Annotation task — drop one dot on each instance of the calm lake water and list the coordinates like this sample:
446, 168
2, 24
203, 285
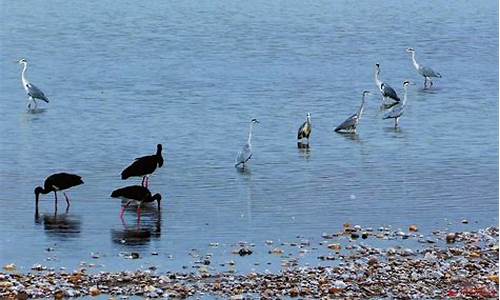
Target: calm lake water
122, 77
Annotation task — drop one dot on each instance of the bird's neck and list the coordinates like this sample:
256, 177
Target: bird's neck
250, 133
360, 110
308, 120
414, 60
404, 94
23, 74
377, 77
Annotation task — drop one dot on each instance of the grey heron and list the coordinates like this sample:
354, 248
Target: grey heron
397, 111
32, 91
427, 72
351, 123
306, 129
246, 152
386, 90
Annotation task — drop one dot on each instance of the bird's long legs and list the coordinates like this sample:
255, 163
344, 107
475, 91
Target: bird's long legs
139, 213
68, 203
396, 122
124, 207
55, 195
425, 82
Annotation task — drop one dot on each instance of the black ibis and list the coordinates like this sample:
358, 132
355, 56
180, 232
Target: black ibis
135, 194
144, 166
58, 182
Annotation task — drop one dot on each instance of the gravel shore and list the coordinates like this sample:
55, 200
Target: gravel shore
465, 267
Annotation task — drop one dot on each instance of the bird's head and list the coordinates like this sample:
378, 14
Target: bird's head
410, 50
22, 61
157, 197
255, 121
406, 83
38, 191
366, 93
308, 115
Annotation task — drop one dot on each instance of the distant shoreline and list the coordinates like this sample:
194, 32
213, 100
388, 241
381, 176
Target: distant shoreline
466, 267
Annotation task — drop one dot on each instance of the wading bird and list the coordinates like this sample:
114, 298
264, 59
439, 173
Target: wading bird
136, 194
246, 152
144, 166
32, 91
397, 111
386, 90
57, 182
352, 122
305, 130
427, 72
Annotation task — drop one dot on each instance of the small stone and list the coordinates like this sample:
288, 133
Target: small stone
294, 292
413, 228
134, 255
364, 235
451, 237
354, 235
244, 251
464, 221
269, 242
9, 267
58, 295
277, 251
154, 253
94, 291
335, 247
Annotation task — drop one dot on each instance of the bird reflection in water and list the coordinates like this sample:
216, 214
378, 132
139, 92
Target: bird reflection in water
304, 149
60, 225
141, 232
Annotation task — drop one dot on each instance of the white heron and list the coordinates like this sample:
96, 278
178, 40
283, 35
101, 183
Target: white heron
352, 122
246, 152
427, 72
32, 91
397, 111
305, 130
386, 90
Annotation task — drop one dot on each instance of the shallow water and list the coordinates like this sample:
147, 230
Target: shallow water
190, 75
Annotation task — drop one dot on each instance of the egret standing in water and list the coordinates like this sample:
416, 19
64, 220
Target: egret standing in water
32, 91
386, 90
352, 122
305, 130
246, 152
397, 111
427, 72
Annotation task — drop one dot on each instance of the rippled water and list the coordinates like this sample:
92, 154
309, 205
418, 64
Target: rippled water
122, 77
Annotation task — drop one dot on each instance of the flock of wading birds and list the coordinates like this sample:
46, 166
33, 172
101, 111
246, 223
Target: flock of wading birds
145, 166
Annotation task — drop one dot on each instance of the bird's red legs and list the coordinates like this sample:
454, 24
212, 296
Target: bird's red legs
147, 181
55, 195
67, 199
124, 207
139, 214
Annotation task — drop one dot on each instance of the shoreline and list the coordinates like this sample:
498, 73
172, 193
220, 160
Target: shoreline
465, 267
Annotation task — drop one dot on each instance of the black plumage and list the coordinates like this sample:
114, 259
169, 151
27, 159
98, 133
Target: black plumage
57, 182
135, 193
144, 166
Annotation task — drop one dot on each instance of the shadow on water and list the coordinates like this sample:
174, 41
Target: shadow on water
139, 233
60, 226
351, 136
36, 111
244, 171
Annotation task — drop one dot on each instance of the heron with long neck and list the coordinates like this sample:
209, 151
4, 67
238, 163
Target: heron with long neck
305, 130
246, 152
426, 72
31, 90
397, 111
386, 90
351, 123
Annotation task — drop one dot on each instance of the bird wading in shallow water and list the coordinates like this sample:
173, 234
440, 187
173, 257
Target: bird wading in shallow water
397, 111
351, 123
135, 194
144, 166
305, 130
389, 96
246, 152
57, 182
427, 72
31, 90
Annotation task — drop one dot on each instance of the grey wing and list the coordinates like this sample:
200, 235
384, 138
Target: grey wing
244, 155
428, 72
300, 133
35, 92
388, 91
395, 112
348, 123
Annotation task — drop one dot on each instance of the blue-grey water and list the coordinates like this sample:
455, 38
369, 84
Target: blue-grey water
124, 76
